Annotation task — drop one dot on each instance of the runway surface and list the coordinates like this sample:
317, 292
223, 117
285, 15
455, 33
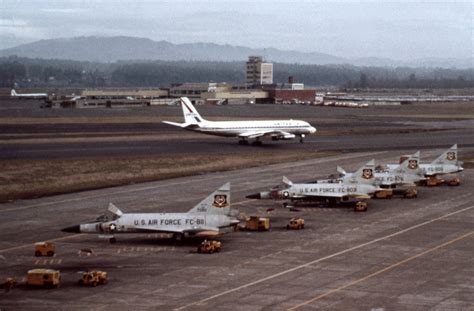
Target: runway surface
411, 254
78, 133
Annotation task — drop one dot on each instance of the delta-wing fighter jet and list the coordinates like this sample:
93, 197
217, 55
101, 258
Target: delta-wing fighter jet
358, 187
442, 169
244, 130
405, 176
205, 219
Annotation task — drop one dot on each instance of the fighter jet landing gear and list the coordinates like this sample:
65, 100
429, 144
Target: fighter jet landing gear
410, 193
178, 237
287, 205
360, 207
454, 182
302, 136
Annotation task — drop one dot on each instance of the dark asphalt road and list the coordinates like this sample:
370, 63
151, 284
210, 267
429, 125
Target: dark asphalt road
344, 143
393, 127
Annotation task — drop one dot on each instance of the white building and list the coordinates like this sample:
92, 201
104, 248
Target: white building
258, 72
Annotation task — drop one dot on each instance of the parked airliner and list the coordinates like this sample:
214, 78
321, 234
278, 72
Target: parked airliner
13, 93
244, 130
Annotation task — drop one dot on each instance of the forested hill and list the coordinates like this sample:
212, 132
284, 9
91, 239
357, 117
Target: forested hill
112, 49
26, 72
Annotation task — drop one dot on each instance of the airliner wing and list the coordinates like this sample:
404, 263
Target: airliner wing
181, 125
251, 135
256, 134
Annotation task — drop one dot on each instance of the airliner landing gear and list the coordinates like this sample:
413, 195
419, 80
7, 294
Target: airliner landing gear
257, 142
243, 142
302, 138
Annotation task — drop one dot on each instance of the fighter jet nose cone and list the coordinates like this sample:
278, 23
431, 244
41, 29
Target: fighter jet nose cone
254, 196
72, 229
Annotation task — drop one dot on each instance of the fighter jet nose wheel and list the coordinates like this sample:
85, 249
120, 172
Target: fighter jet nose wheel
178, 237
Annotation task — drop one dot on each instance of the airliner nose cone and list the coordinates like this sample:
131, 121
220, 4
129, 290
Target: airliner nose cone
72, 229
312, 130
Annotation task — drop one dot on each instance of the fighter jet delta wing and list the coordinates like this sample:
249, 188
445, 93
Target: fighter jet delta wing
244, 130
205, 219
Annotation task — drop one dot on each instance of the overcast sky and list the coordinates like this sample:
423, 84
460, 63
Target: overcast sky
401, 29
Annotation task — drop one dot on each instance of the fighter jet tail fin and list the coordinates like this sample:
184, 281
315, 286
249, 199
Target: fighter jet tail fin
411, 164
217, 202
114, 210
365, 174
286, 181
450, 156
341, 171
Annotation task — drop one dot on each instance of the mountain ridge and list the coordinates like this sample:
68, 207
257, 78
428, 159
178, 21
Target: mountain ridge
112, 49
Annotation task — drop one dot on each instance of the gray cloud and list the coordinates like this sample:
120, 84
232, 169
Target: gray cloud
400, 30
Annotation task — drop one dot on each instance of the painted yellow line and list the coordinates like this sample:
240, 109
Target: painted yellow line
393, 266
296, 268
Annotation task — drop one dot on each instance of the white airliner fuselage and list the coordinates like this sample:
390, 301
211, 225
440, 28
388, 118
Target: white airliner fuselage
235, 128
245, 130
13, 93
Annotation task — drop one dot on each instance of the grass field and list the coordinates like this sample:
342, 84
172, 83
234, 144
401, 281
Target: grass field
22, 179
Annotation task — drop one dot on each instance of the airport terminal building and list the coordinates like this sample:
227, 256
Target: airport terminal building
259, 87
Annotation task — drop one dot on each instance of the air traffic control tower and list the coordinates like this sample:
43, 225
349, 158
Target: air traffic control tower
258, 72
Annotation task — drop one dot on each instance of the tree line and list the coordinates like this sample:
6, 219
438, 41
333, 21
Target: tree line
26, 72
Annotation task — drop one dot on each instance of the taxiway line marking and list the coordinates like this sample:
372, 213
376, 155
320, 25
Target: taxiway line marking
299, 267
19, 208
393, 266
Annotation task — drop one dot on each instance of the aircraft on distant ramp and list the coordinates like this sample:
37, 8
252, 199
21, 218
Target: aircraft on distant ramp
13, 93
244, 130
205, 219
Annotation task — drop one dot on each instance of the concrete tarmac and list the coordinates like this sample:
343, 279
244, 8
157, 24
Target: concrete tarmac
413, 254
